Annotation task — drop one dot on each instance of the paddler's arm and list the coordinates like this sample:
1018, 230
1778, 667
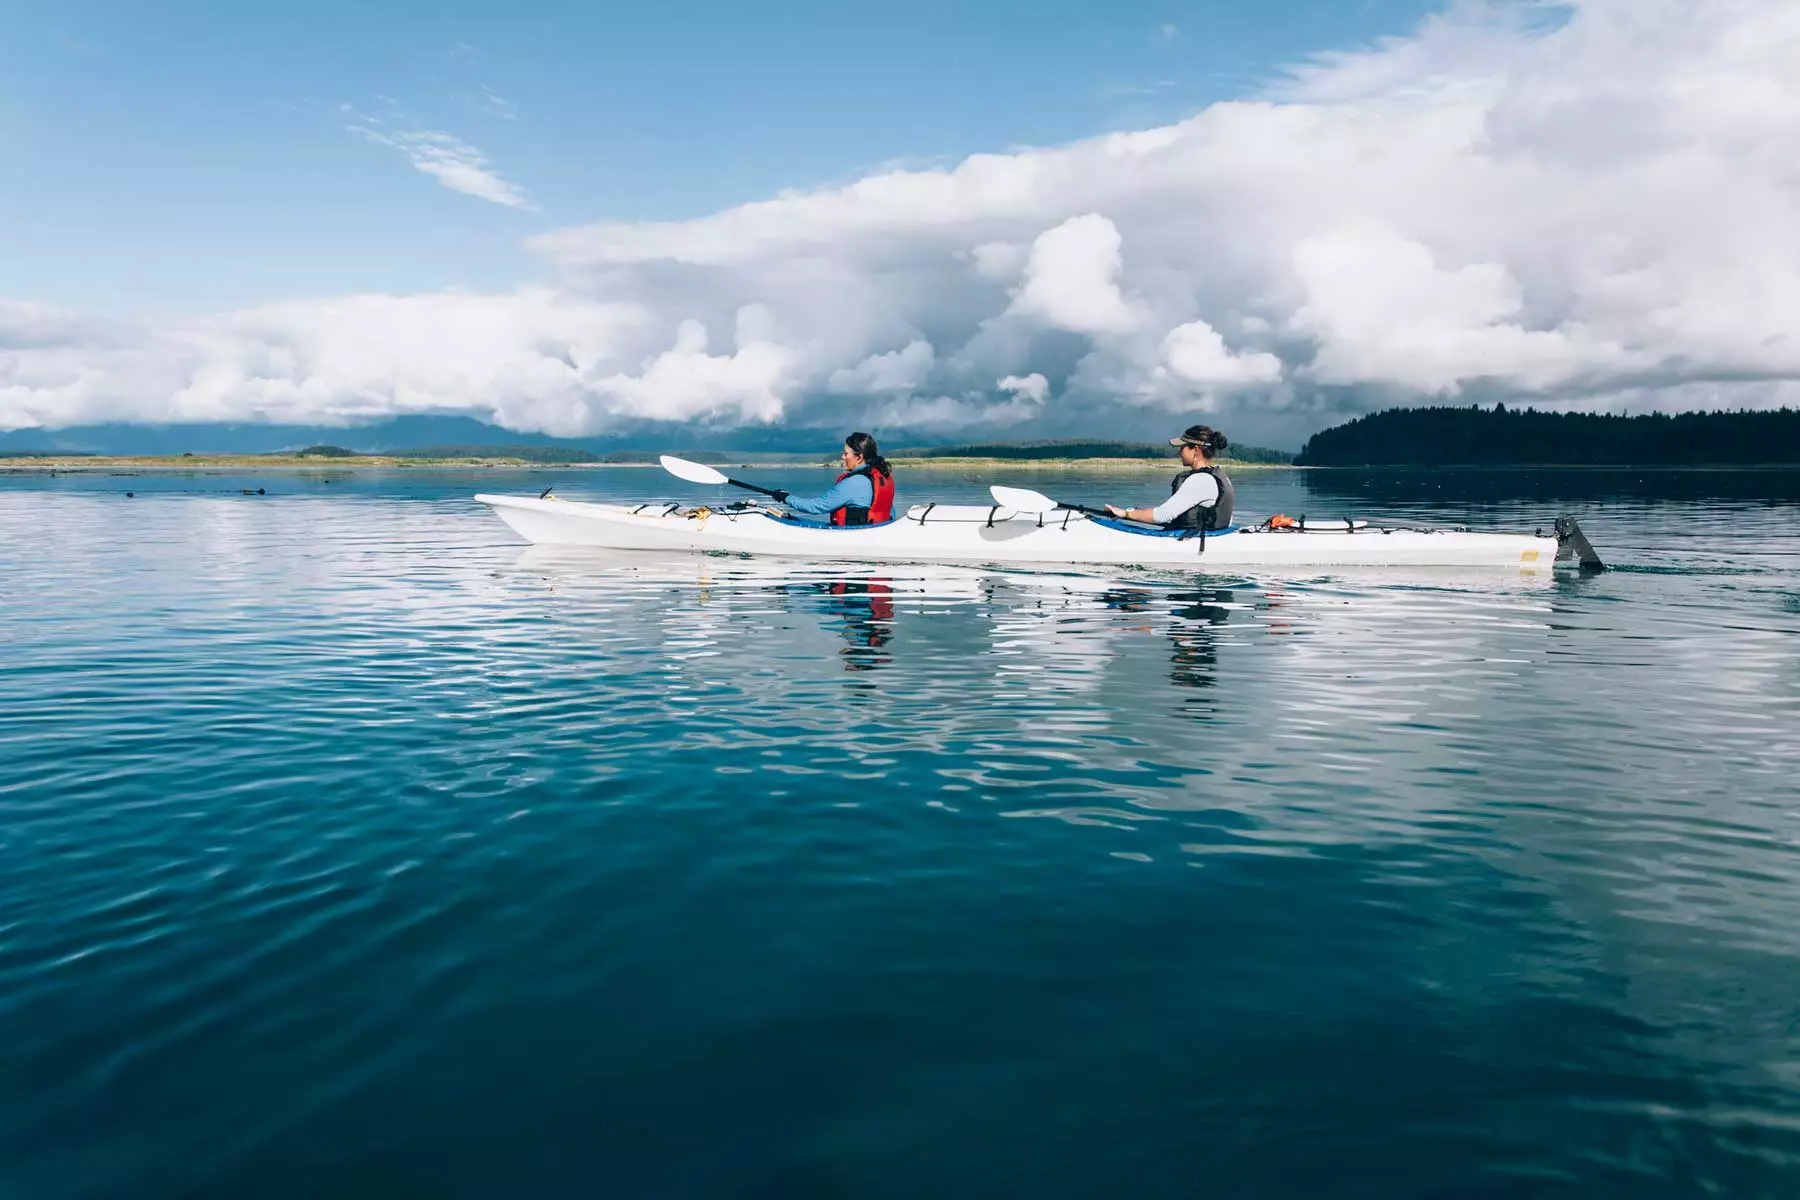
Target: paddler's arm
1198, 489
856, 490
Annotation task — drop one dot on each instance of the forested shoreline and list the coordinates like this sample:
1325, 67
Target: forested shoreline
1446, 436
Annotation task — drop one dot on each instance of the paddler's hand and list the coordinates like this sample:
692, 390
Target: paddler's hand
779, 495
1113, 510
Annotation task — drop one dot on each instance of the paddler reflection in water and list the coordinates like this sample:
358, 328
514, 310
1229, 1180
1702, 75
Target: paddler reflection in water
1194, 653
1201, 497
1194, 656
862, 495
867, 609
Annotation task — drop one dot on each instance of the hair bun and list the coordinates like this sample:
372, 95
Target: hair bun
1218, 442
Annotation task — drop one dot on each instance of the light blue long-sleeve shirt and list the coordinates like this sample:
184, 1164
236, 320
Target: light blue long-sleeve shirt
855, 491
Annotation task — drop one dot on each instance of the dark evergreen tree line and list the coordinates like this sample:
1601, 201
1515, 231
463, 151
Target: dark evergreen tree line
1524, 437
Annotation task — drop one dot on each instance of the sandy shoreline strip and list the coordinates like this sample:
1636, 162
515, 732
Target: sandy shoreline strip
365, 462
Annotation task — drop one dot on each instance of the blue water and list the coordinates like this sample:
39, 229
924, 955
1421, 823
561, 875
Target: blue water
349, 848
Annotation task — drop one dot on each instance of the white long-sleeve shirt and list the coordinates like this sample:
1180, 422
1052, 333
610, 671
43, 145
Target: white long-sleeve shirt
1195, 489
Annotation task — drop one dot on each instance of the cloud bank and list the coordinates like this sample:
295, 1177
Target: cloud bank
1598, 209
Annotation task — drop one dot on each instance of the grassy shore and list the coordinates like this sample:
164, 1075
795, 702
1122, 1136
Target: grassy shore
256, 462
1062, 464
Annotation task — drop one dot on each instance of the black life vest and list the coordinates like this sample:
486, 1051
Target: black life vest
880, 509
1208, 517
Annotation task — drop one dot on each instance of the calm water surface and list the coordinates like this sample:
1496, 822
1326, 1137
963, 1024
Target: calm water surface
350, 848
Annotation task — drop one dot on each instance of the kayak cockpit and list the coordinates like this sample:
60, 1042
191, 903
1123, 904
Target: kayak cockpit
781, 518
1143, 530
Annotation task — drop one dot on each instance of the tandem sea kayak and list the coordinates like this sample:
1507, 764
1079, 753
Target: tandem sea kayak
1000, 535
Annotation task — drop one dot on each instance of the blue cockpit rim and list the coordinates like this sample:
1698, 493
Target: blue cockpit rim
1149, 531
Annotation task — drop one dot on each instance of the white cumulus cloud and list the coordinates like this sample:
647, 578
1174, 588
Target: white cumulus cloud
1071, 278
532, 359
1196, 353
1033, 387
685, 381
1591, 204
895, 371
1378, 307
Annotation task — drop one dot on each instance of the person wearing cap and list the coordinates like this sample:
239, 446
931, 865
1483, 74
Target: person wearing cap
1201, 497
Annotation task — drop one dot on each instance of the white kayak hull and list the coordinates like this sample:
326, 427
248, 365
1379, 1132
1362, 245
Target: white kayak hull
981, 535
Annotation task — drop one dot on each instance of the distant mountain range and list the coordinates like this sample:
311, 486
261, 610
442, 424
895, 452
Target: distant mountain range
398, 434
462, 437
1440, 436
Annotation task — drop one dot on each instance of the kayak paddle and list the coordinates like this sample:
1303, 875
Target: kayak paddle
695, 472
1024, 500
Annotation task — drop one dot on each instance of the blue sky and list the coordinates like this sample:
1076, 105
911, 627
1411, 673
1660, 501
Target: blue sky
194, 157
957, 220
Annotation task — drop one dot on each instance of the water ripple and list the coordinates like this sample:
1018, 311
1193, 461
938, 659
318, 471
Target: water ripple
331, 817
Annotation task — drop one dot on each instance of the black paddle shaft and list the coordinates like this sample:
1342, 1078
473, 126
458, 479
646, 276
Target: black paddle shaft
750, 487
1100, 512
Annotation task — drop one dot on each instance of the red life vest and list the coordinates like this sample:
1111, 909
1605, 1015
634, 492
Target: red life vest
880, 510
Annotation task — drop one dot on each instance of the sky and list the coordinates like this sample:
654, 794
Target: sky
1003, 219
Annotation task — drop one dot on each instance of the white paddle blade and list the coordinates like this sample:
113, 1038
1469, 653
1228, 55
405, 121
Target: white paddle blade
693, 472
1022, 500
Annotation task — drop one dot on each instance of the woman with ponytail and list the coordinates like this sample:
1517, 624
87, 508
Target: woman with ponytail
862, 495
1201, 496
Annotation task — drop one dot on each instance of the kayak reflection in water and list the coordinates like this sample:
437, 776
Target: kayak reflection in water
1201, 496
862, 495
